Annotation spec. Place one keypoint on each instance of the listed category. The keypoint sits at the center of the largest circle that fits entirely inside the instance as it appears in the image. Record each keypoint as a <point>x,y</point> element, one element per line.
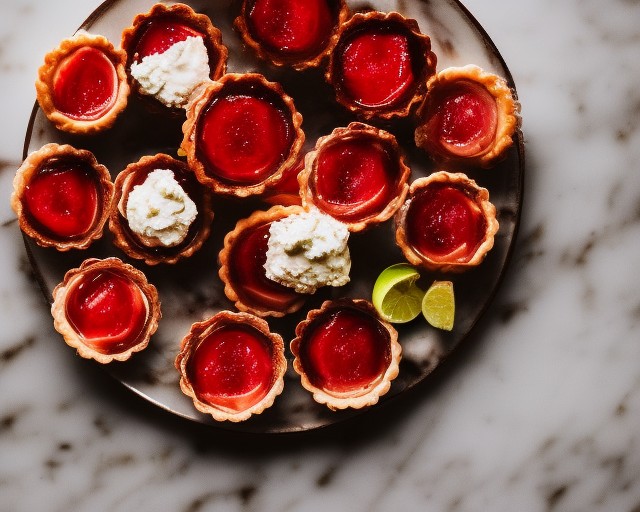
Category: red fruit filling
<point>161,34</point>
<point>355,178</point>
<point>376,68</point>
<point>108,310</point>
<point>85,84</point>
<point>464,119</point>
<point>247,273</point>
<point>345,350</point>
<point>232,367</point>
<point>243,138</point>
<point>444,222</point>
<point>62,200</point>
<point>291,27</point>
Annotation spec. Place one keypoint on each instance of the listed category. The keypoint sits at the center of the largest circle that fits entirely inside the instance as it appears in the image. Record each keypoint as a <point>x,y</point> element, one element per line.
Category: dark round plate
<point>191,290</point>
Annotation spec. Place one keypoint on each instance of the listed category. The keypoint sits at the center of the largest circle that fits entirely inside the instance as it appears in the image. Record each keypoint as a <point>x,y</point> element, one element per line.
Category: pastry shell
<point>50,153</point>
<point>299,63</point>
<point>199,331</point>
<point>231,289</point>
<point>507,109</point>
<point>217,51</point>
<point>449,263</point>
<point>129,242</point>
<point>255,82</point>
<point>307,178</point>
<point>47,73</point>
<point>74,277</point>
<point>421,49</point>
<point>359,398</point>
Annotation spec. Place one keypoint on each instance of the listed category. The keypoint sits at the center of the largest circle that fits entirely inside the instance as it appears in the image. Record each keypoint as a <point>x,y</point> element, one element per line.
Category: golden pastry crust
<point>199,331</point>
<point>218,52</point>
<point>49,153</point>
<point>278,58</point>
<point>47,74</point>
<point>130,242</point>
<point>190,131</point>
<point>231,289</point>
<point>507,108</point>
<point>418,39</point>
<point>307,178</point>
<point>75,340</point>
<point>357,399</point>
<point>452,262</point>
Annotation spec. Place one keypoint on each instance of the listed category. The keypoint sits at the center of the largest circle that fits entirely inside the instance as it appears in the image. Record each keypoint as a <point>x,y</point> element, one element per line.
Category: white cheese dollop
<point>308,250</point>
<point>172,76</point>
<point>159,210</point>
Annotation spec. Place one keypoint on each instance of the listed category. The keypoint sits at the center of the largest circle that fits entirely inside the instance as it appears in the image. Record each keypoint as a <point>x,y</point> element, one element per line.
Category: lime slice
<point>439,305</point>
<point>395,294</point>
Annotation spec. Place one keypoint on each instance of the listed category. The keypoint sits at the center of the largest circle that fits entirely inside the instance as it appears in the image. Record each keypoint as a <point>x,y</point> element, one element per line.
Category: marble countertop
<point>539,412</point>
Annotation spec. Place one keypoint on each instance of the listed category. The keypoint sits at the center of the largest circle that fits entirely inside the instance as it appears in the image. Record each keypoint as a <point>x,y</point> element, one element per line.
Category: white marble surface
<point>539,412</point>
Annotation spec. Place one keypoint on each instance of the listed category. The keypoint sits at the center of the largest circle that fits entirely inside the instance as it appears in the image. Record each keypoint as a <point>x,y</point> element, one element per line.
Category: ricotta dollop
<point>159,211</point>
<point>172,76</point>
<point>307,251</point>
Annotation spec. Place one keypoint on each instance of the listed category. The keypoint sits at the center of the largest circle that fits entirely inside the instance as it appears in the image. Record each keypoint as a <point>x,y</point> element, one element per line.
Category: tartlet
<point>241,134</point>
<point>82,86</point>
<point>357,175</point>
<point>156,32</point>
<point>380,64</point>
<point>62,197</point>
<point>106,310</point>
<point>447,223</point>
<point>468,117</point>
<point>242,269</point>
<point>152,247</point>
<point>291,33</point>
<point>345,354</point>
<point>231,366</point>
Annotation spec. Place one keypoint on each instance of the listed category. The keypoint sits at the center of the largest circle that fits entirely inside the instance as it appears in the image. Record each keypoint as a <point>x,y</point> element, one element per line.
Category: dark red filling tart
<point>380,64</point>
<point>242,134</point>
<point>160,34</point>
<point>357,175</point>
<point>290,32</point>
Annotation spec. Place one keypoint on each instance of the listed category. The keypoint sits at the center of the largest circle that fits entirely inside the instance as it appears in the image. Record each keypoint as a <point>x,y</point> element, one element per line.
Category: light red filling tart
<point>447,223</point>
<point>62,197</point>
<point>231,366</point>
<point>345,354</point>
<point>106,310</point>
<point>380,64</point>
<point>242,269</point>
<point>242,134</point>
<point>82,85</point>
<point>357,175</point>
<point>468,116</point>
<point>289,32</point>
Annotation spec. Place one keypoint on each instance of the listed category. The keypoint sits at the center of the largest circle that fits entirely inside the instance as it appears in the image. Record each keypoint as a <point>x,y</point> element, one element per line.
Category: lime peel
<point>395,295</point>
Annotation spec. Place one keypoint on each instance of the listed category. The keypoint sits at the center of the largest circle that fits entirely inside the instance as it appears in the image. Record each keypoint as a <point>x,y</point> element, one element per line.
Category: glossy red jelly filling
<point>247,273</point>
<point>444,222</point>
<point>62,200</point>
<point>464,119</point>
<point>161,34</point>
<point>376,68</point>
<point>232,367</point>
<point>85,84</point>
<point>243,139</point>
<point>355,178</point>
<point>290,26</point>
<point>108,310</point>
<point>345,350</point>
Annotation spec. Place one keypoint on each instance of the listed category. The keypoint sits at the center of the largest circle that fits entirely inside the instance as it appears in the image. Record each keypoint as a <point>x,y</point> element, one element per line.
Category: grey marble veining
<point>540,411</point>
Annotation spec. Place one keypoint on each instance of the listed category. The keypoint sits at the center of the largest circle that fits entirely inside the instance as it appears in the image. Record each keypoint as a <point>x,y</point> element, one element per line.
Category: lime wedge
<point>439,305</point>
<point>395,294</point>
